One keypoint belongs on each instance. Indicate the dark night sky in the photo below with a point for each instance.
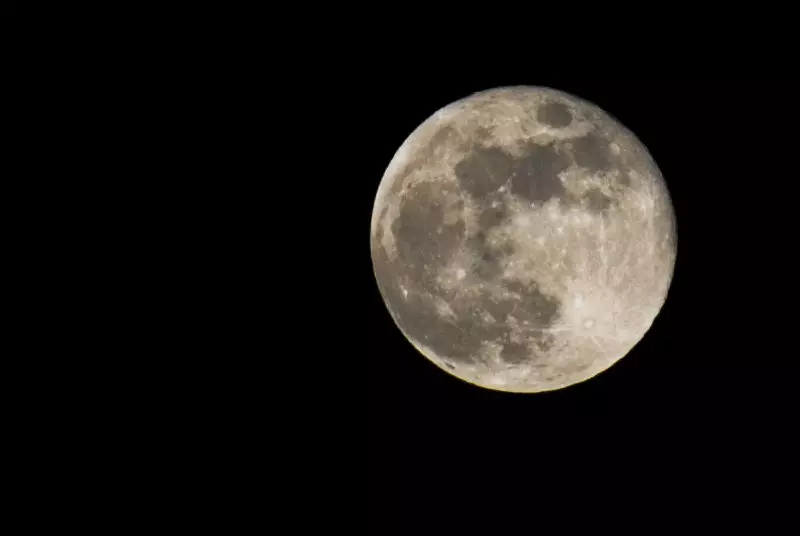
(707, 398)
(186, 114)
(700, 416)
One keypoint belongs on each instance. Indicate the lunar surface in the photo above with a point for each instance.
(523, 240)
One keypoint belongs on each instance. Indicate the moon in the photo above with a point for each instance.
(523, 240)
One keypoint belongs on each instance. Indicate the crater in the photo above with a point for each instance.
(554, 114)
(596, 200)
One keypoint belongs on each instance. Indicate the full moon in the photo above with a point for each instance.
(523, 240)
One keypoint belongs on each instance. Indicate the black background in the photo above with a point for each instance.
(703, 409)
(700, 416)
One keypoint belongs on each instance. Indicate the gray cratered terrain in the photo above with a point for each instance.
(523, 240)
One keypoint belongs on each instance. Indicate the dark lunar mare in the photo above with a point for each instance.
(484, 170)
(536, 177)
(554, 114)
(532, 176)
(515, 352)
(593, 152)
(424, 242)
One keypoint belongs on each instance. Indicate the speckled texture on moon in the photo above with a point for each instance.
(523, 240)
